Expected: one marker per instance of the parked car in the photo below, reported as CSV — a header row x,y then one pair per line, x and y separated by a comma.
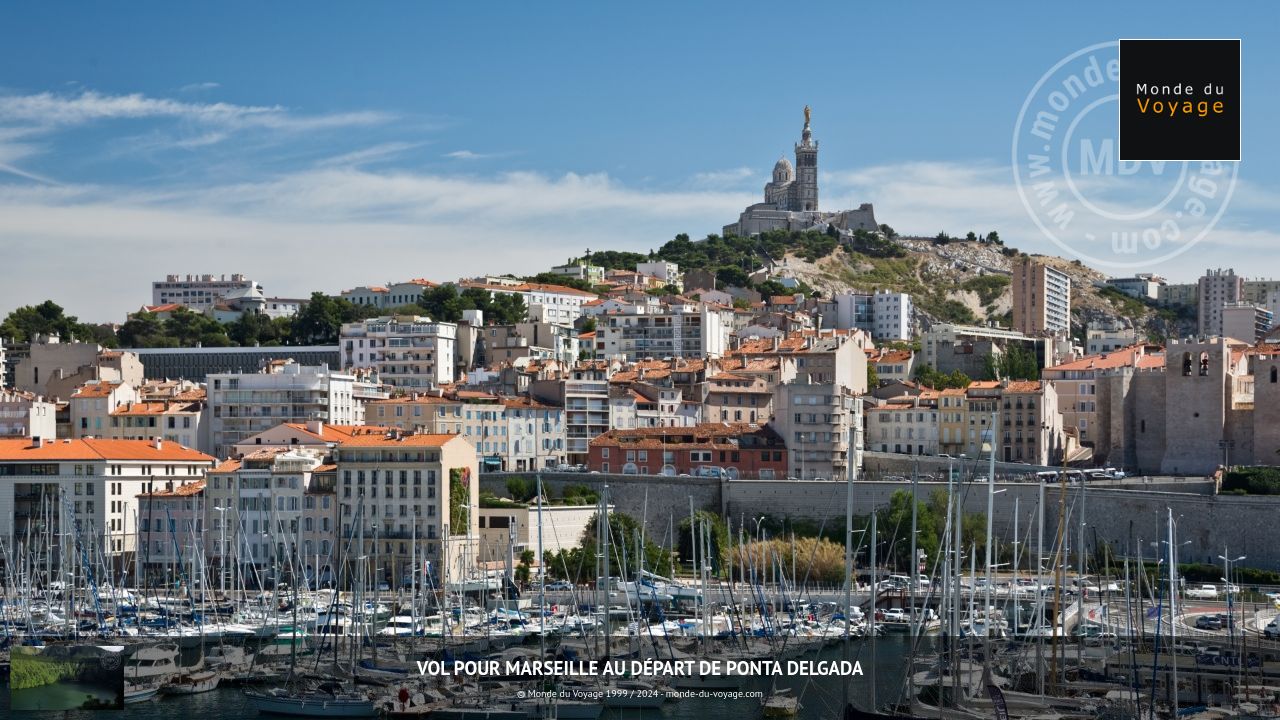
x,y
895,615
1272,630
559,585
1208,622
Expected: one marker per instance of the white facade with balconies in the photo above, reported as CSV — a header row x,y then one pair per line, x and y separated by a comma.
x,y
405,351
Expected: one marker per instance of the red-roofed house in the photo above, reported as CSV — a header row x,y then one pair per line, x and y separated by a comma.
x,y
740,450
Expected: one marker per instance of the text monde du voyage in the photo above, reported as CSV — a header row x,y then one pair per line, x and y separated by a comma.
x,y
1180,99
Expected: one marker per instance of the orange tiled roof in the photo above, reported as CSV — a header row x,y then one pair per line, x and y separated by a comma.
x,y
227,466
1023,386
894,356
397,440
340,433
153,408
95,390
98,449
183,490
1124,357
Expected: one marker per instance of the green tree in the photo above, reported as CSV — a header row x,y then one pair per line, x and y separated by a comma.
x,y
926,375
1015,363
47,318
550,278
442,303
141,330
719,540
320,321
894,527
521,488
188,328
873,377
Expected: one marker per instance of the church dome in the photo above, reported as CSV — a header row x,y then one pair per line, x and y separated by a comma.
x,y
782,171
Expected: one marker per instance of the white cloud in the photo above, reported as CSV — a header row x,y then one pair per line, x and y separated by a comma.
x,y
198,87
469,155
50,110
733,179
365,156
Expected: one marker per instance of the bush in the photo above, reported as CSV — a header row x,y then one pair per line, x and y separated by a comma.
x,y
1252,481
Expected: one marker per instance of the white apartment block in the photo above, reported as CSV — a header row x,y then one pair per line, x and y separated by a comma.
x,y
24,414
691,330
391,295
255,510
508,433
198,292
91,485
245,404
405,351
891,313
667,272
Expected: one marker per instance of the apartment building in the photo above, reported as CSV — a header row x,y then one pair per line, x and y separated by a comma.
x,y
1108,337
405,351
584,394
1030,427
690,330
171,535
198,292
1144,286
24,414
819,356
907,424
1041,298
817,420
732,450
892,365
1215,290
55,369
737,398
394,487
508,433
391,295
242,405
493,346
255,514
51,486
1245,321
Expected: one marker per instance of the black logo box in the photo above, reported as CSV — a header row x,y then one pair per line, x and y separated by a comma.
x,y
1187,69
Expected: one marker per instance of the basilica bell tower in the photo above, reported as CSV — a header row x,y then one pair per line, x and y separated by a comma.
x,y
806,182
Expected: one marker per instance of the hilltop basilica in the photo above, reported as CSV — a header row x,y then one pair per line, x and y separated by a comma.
x,y
791,198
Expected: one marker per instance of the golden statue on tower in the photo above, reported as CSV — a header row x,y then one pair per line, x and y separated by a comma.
x,y
806,114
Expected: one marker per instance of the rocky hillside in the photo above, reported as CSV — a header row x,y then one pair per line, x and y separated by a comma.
x,y
968,282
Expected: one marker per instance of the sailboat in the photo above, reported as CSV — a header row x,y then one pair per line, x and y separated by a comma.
x,y
325,700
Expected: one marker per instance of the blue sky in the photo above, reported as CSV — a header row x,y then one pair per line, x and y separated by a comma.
x,y
323,146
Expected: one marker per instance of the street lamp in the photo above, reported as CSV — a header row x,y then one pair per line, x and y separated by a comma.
x,y
1226,570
